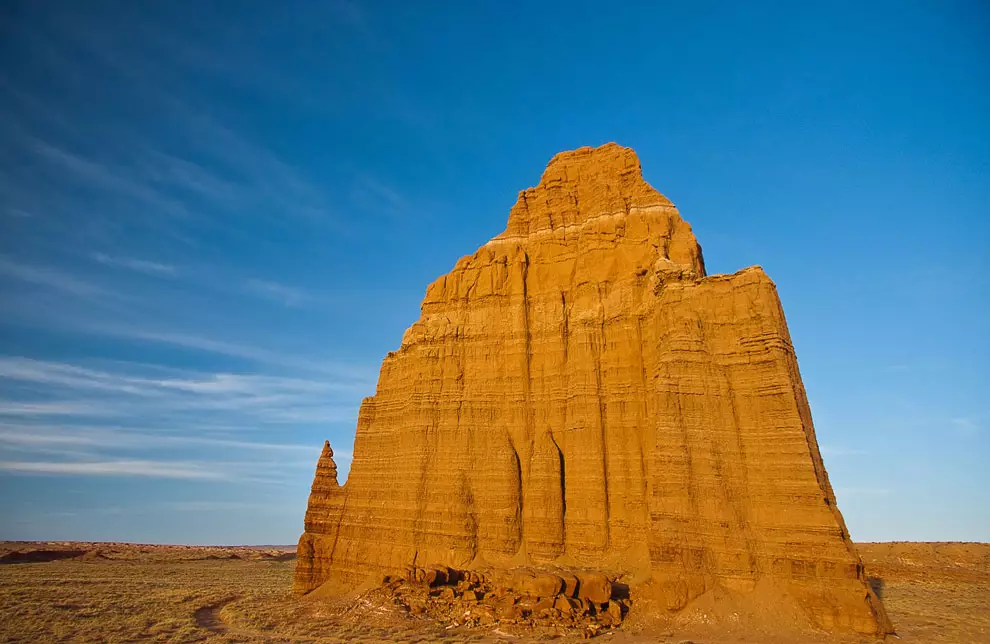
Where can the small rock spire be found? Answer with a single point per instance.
(326, 468)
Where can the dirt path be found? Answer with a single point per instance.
(211, 618)
(208, 617)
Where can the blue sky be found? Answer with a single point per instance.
(217, 218)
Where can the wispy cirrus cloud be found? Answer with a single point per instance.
(142, 468)
(96, 174)
(51, 278)
(205, 176)
(230, 506)
(107, 419)
(218, 165)
(357, 374)
(190, 177)
(139, 265)
(70, 375)
(91, 392)
(967, 425)
(57, 408)
(111, 438)
(165, 182)
(286, 295)
(375, 195)
(263, 472)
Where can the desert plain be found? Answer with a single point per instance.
(113, 592)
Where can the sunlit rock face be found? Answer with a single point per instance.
(578, 393)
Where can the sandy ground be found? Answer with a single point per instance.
(76, 592)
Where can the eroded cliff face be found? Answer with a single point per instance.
(577, 393)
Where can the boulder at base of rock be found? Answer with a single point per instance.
(594, 587)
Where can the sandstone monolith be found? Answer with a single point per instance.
(578, 394)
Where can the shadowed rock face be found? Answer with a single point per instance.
(577, 393)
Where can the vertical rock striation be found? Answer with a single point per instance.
(579, 393)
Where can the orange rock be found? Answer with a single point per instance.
(506, 609)
(614, 611)
(594, 587)
(570, 585)
(537, 584)
(579, 393)
(563, 604)
(545, 604)
(434, 577)
(607, 619)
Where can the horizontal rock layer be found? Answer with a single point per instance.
(579, 394)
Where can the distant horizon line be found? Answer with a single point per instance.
(294, 546)
(132, 543)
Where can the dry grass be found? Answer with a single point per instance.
(124, 601)
(163, 594)
(934, 592)
(158, 594)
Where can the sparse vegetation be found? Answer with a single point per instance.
(119, 593)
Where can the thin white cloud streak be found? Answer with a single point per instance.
(222, 506)
(173, 194)
(41, 388)
(202, 343)
(37, 449)
(139, 265)
(218, 56)
(93, 173)
(262, 472)
(251, 412)
(286, 295)
(261, 174)
(58, 408)
(374, 195)
(73, 376)
(277, 181)
(350, 373)
(65, 375)
(140, 468)
(236, 175)
(968, 426)
(51, 278)
(166, 169)
(131, 439)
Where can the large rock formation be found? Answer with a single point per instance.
(578, 393)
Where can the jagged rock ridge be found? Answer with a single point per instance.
(579, 394)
